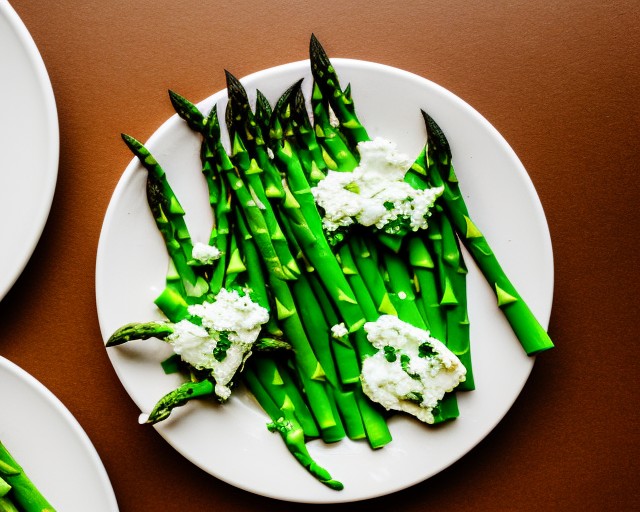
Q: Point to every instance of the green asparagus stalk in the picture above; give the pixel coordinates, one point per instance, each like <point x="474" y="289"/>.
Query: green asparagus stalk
<point x="4" y="487"/>
<point x="326" y="77"/>
<point x="344" y="354"/>
<point x="255" y="274"/>
<point x="285" y="423"/>
<point x="263" y="114"/>
<point x="457" y="339"/>
<point x="281" y="386"/>
<point x="179" y="397"/>
<point x="316" y="250"/>
<point x="427" y="284"/>
<point x="219" y="197"/>
<point x="140" y="331"/>
<point x="6" y="505"/>
<point x="251" y="209"/>
<point x="526" y="327"/>
<point x="303" y="139"/>
<point x="337" y="153"/>
<point x="242" y="123"/>
<point x="169" y="217"/>
<point x="24" y="493"/>
<point x="310" y="370"/>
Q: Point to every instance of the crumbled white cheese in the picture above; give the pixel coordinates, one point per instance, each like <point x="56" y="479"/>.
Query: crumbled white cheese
<point x="374" y="193"/>
<point x="231" y="319"/>
<point x="270" y="154"/>
<point x="204" y="253"/>
<point x="411" y="371"/>
<point x="339" y="331"/>
<point x="234" y="313"/>
<point x="193" y="344"/>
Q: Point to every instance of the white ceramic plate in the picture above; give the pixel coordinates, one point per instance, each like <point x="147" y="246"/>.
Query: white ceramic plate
<point x="29" y="146"/>
<point x="231" y="441"/>
<point x="51" y="446"/>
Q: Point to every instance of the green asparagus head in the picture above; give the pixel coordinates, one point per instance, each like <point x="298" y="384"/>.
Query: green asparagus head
<point x="140" y="331"/>
<point x="263" y="112"/>
<point x="187" y="111"/>
<point x="239" y="117"/>
<point x="282" y="117"/>
<point x="177" y="398"/>
<point x="437" y="144"/>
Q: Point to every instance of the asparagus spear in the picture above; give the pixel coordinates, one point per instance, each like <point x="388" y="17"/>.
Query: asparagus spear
<point x="24" y="493"/>
<point x="309" y="368"/>
<point x="6" y="505"/>
<point x="285" y="423"/>
<point x="528" y="330"/>
<point x="326" y="77"/>
<point x="4" y="487"/>
<point x="169" y="217"/>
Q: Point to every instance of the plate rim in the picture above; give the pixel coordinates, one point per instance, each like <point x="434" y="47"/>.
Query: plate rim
<point x="219" y="96"/>
<point x="70" y="422"/>
<point x="39" y="220"/>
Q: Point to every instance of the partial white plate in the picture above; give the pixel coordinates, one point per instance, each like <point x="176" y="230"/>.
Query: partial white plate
<point x="29" y="146"/>
<point x="51" y="446"/>
<point x="231" y="441"/>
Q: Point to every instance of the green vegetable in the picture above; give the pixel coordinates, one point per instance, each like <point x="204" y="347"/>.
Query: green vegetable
<point x="528" y="330"/>
<point x="22" y="492"/>
<point x="319" y="288"/>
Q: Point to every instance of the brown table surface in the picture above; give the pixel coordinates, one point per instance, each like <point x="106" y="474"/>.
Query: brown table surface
<point x="558" y="79"/>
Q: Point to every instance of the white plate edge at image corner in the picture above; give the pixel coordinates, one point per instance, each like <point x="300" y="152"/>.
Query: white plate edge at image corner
<point x="28" y="176"/>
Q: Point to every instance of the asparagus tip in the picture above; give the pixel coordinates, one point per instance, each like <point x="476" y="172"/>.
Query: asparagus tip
<point x="435" y="135"/>
<point x="235" y="89"/>
<point x="130" y="141"/>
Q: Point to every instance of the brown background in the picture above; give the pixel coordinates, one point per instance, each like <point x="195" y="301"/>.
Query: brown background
<point x="560" y="82"/>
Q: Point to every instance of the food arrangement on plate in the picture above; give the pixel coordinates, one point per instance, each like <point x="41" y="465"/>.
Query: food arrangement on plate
<point x="17" y="491"/>
<point x="333" y="282"/>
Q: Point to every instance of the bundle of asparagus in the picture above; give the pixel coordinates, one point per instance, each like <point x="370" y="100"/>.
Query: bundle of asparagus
<point x="17" y="492"/>
<point x="305" y="294"/>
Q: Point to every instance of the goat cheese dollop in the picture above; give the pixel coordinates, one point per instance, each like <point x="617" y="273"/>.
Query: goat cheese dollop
<point x="205" y="254"/>
<point x="339" y="331"/>
<point x="411" y="371"/>
<point x="375" y="193"/>
<point x="222" y="343"/>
